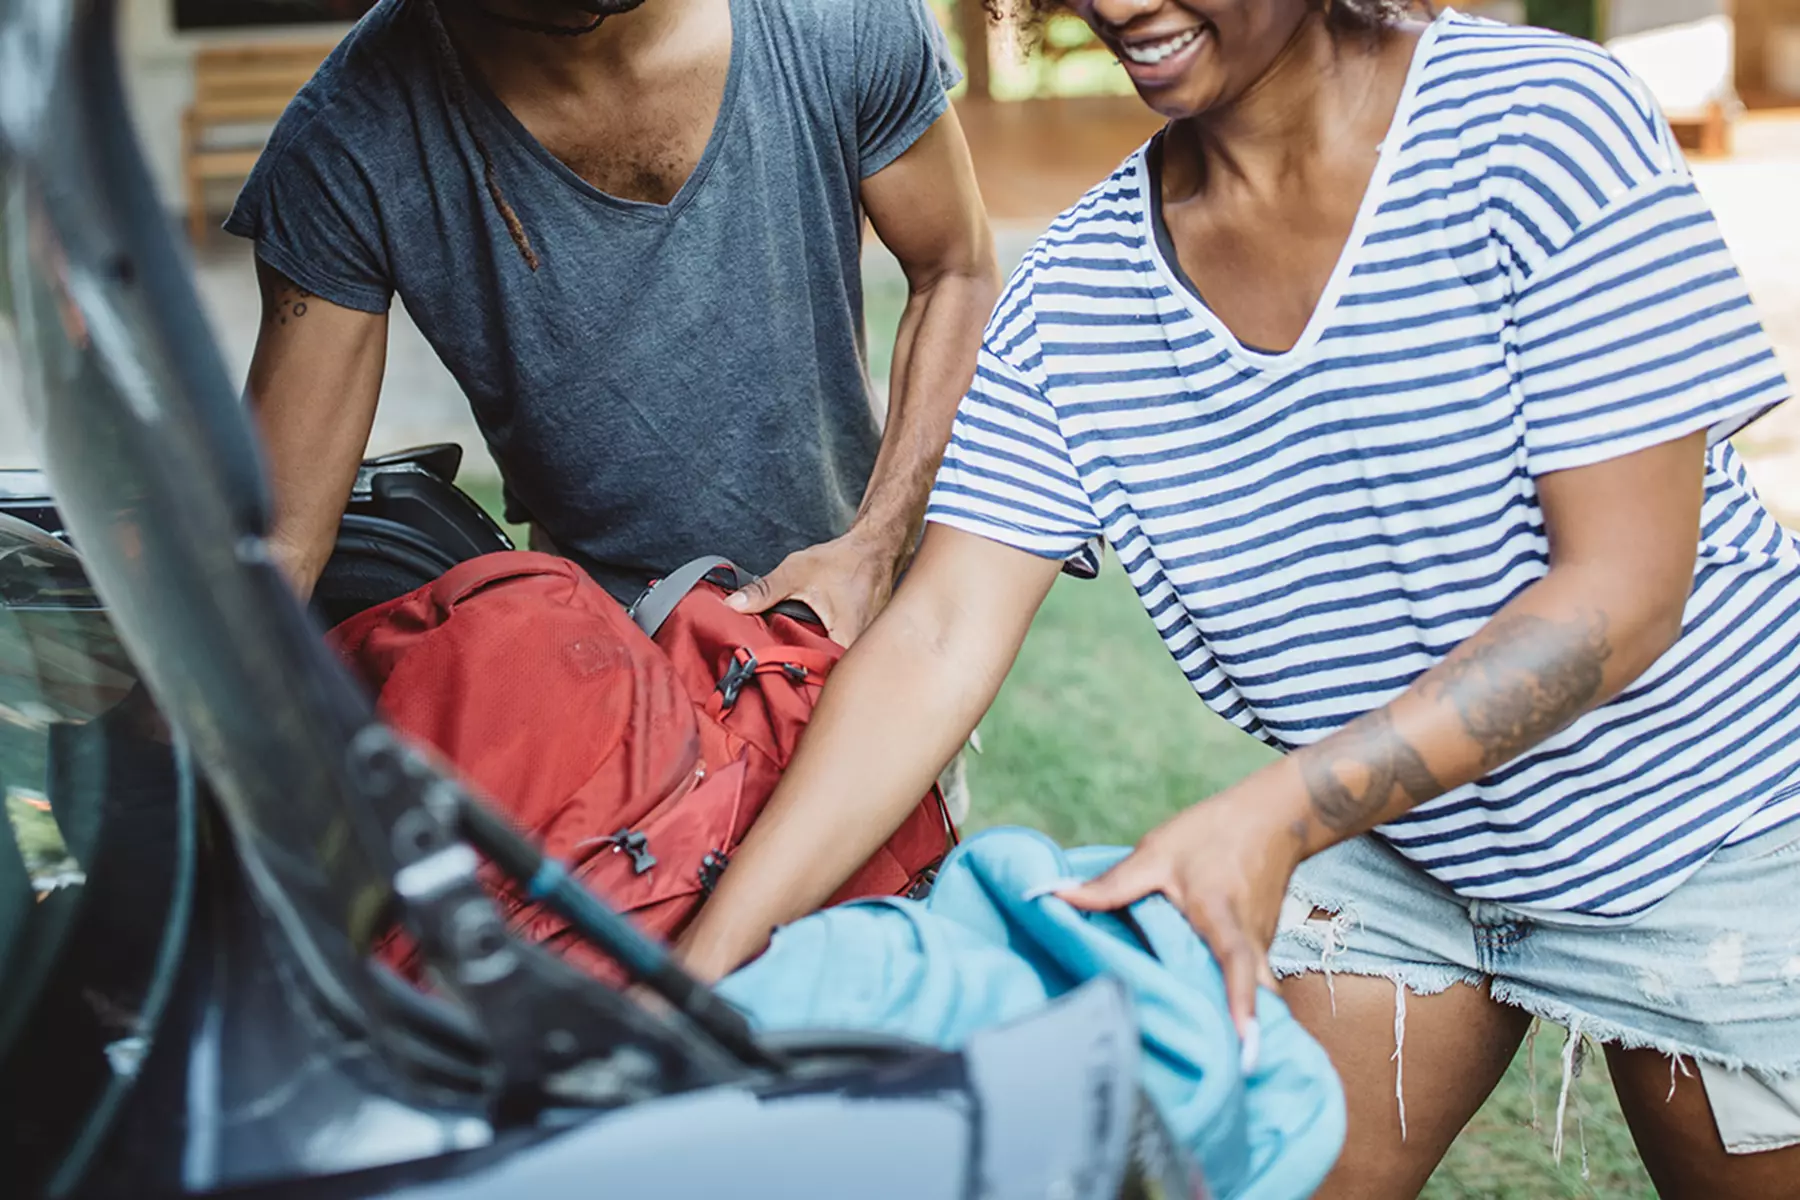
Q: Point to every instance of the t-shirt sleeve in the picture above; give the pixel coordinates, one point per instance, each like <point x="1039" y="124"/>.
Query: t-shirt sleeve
<point x="903" y="72"/>
<point x="1640" y="331"/>
<point x="1633" y="326"/>
<point x="310" y="207"/>
<point x="1008" y="474"/>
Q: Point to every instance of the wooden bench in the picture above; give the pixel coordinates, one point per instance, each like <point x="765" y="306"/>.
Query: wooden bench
<point x="239" y="91"/>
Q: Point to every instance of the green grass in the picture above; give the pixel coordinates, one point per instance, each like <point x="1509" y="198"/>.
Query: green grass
<point x="1096" y="736"/>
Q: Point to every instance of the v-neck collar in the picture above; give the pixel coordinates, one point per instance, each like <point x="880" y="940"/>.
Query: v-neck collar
<point x="1168" y="264"/>
<point x="646" y="209"/>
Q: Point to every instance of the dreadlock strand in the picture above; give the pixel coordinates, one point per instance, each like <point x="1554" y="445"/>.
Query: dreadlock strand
<point x="451" y="62"/>
<point x="514" y="226"/>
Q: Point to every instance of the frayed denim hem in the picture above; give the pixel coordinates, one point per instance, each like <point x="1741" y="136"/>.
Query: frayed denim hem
<point x="1313" y="938"/>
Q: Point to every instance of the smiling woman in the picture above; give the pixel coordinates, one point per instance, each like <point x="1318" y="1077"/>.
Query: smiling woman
<point x="1349" y="14"/>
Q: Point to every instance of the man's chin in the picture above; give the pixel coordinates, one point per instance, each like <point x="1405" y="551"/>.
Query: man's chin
<point x="600" y="8"/>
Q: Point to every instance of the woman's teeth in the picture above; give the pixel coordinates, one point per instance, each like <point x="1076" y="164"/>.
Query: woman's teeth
<point x="1155" y="52"/>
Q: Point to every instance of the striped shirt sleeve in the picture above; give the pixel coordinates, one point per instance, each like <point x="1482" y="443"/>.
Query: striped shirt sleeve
<point x="1639" y="330"/>
<point x="1008" y="474"/>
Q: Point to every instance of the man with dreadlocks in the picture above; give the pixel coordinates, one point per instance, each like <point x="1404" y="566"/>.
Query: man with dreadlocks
<point x="632" y="231"/>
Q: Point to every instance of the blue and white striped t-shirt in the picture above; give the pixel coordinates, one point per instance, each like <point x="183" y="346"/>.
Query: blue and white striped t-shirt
<point x="1533" y="284"/>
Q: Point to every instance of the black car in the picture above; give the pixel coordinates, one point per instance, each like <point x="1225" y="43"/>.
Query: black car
<point x="208" y="826"/>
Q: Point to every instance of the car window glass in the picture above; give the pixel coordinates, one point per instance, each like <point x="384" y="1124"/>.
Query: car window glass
<point x="94" y="850"/>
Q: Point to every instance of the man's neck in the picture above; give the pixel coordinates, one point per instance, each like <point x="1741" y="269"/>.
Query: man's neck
<point x="503" y="46"/>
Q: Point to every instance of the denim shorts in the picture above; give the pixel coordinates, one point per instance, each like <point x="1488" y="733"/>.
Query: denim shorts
<point x="1712" y="973"/>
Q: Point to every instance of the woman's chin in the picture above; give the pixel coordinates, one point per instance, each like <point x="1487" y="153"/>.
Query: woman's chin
<point x="1190" y="99"/>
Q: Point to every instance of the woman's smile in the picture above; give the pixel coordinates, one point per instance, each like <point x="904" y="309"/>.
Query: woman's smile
<point x="1161" y="58"/>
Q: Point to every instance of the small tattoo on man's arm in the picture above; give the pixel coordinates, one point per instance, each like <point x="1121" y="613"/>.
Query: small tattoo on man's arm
<point x="290" y="304"/>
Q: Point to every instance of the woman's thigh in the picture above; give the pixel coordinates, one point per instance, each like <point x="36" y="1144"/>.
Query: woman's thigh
<point x="1445" y="1057"/>
<point x="1679" y="1113"/>
<point x="1711" y="976"/>
<point x="1377" y="961"/>
<point x="1698" y="1005"/>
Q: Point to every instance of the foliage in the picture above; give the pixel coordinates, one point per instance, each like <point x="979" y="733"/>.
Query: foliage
<point x="1579" y="17"/>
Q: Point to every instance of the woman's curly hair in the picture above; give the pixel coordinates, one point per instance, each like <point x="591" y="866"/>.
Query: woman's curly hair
<point x="1345" y="14"/>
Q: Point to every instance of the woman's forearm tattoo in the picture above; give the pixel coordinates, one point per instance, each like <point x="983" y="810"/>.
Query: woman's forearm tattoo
<point x="1523" y="678"/>
<point x="1358" y="777"/>
<point x="1512" y="685"/>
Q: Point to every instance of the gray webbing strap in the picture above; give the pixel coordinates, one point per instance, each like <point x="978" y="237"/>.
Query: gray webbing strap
<point x="654" y="607"/>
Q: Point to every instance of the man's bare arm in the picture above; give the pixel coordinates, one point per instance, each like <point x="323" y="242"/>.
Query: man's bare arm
<point x="926" y="208"/>
<point x="314" y="381"/>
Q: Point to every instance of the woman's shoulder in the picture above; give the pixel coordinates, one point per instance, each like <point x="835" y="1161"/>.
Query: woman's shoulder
<point x="1534" y="90"/>
<point x="1103" y="230"/>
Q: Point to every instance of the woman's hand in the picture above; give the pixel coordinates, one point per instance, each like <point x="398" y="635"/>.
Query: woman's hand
<point x="1225" y="864"/>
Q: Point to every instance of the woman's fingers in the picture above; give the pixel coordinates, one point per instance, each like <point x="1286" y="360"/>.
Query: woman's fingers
<point x="1242" y="962"/>
<point x="1133" y="878"/>
<point x="1242" y="959"/>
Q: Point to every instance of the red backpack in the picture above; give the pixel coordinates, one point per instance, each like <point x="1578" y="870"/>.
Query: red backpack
<point x="640" y="763"/>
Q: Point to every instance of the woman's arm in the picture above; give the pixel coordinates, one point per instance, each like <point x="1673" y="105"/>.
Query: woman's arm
<point x="896" y="708"/>
<point x="1623" y="537"/>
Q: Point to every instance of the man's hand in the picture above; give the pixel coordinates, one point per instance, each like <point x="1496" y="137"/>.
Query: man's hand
<point x="846" y="581"/>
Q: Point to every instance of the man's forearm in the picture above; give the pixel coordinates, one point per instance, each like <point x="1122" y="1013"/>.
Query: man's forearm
<point x="934" y="361"/>
<point x="314" y="382"/>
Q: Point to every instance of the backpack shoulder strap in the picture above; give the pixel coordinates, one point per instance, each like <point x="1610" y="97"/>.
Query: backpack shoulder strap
<point x="665" y="595"/>
<point x="655" y="605"/>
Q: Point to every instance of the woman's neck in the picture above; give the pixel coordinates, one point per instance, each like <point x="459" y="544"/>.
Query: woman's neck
<point x="1318" y="92"/>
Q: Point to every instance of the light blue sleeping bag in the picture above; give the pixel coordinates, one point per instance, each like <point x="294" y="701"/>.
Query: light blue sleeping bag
<point x="988" y="946"/>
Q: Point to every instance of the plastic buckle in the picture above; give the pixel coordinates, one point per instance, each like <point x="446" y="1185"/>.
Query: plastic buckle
<point x="637" y="845"/>
<point x="743" y="667"/>
<point x="924" y="882"/>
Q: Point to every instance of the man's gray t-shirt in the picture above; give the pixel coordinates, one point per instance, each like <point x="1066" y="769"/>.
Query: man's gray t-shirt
<point x="673" y="380"/>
